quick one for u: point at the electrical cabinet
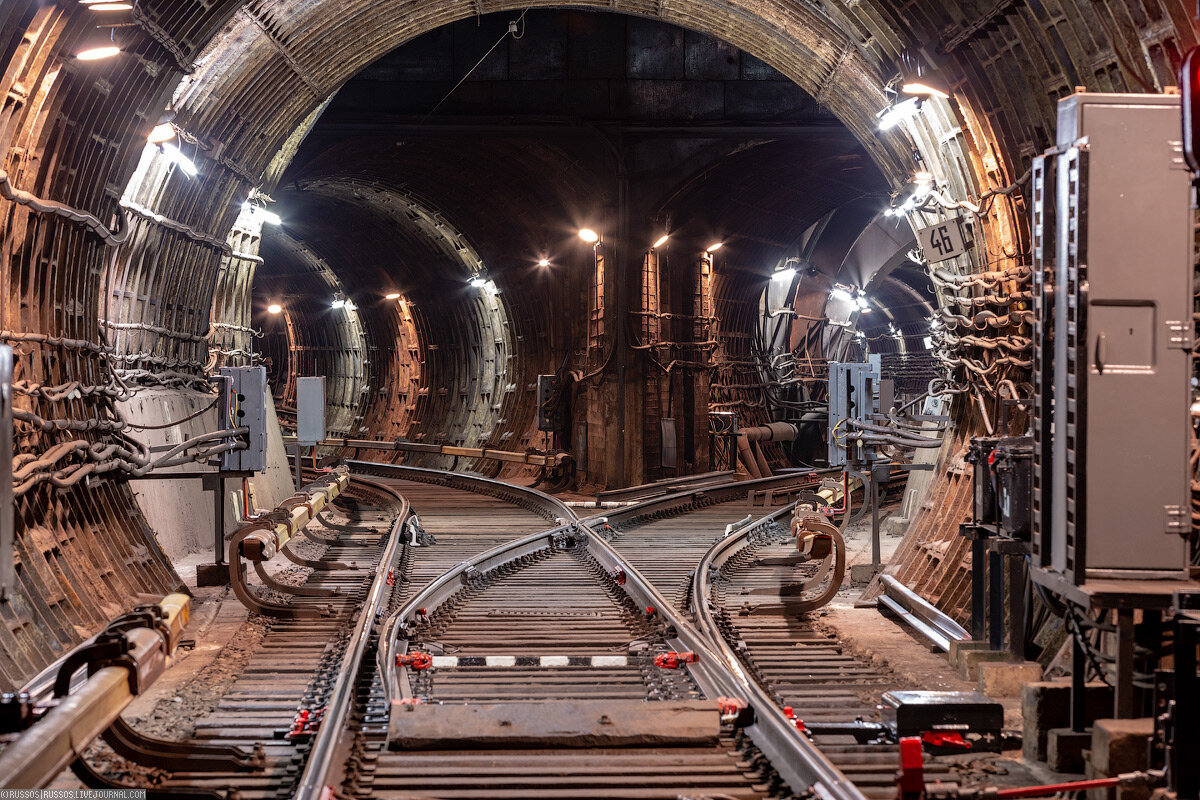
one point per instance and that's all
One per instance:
(244, 404)
(852, 396)
(310, 410)
(549, 414)
(1112, 270)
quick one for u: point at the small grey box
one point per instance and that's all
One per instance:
(310, 410)
(245, 405)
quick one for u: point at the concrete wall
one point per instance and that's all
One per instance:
(181, 510)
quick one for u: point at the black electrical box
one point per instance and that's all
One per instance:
(979, 456)
(917, 712)
(1012, 475)
(549, 403)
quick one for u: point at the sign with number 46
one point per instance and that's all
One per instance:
(942, 240)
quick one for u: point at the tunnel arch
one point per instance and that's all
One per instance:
(73, 134)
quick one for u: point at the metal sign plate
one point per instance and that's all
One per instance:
(942, 241)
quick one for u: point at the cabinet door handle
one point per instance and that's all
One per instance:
(1101, 351)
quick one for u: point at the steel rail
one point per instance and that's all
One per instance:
(717, 673)
(326, 745)
(544, 504)
(798, 760)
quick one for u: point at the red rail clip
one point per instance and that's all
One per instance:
(673, 660)
(619, 576)
(391, 578)
(651, 611)
(944, 739)
(731, 708)
(414, 661)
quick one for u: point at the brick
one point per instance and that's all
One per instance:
(1047, 704)
(1007, 679)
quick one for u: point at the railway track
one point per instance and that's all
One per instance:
(503, 614)
(799, 665)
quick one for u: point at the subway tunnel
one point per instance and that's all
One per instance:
(584, 248)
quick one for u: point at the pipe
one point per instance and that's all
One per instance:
(771, 432)
(763, 467)
(746, 457)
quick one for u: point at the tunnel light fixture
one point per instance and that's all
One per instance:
(176, 156)
(922, 178)
(338, 303)
(660, 241)
(163, 132)
(110, 7)
(842, 292)
(589, 235)
(784, 275)
(392, 296)
(98, 53)
(274, 308)
(893, 115)
(262, 214)
(925, 87)
(714, 247)
(543, 262)
(478, 282)
(861, 301)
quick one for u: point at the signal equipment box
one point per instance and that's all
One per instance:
(244, 404)
(1112, 272)
(852, 397)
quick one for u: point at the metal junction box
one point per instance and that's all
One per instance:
(245, 404)
(310, 410)
(852, 396)
(1112, 267)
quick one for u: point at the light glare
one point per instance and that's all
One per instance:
(177, 157)
(392, 296)
(784, 275)
(589, 235)
(924, 90)
(661, 241)
(97, 53)
(274, 308)
(714, 247)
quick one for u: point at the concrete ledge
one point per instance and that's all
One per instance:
(1066, 750)
(1047, 704)
(1006, 679)
(1119, 746)
(566, 723)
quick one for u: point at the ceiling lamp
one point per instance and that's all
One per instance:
(589, 235)
(274, 308)
(392, 296)
(660, 241)
(478, 282)
(893, 115)
(714, 247)
(543, 262)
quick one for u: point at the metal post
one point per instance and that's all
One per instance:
(1182, 764)
(876, 556)
(1124, 688)
(1016, 608)
(995, 601)
(1078, 686)
(218, 520)
(978, 555)
(299, 474)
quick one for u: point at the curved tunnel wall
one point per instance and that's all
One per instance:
(73, 133)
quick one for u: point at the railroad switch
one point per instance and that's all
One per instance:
(735, 711)
(414, 661)
(674, 660)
